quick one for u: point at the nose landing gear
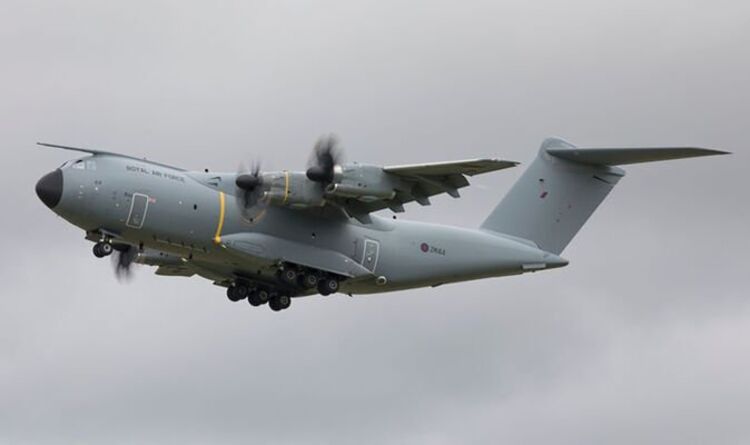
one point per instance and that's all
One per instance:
(102, 249)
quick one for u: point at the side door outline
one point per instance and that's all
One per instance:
(134, 222)
(370, 254)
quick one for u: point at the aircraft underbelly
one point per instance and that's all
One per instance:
(271, 248)
(416, 255)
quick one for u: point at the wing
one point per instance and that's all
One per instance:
(104, 153)
(468, 167)
(418, 182)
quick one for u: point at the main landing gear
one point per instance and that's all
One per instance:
(292, 281)
(328, 286)
(258, 296)
(279, 302)
(325, 284)
(305, 279)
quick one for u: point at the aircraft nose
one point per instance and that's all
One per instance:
(50, 188)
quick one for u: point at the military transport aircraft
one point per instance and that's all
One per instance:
(269, 236)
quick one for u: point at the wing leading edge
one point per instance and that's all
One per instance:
(94, 152)
(470, 167)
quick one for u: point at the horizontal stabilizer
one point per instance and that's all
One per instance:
(622, 156)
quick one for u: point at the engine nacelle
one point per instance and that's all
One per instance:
(366, 183)
(361, 193)
(292, 189)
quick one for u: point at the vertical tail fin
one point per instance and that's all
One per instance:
(560, 190)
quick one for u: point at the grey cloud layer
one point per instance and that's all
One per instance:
(644, 338)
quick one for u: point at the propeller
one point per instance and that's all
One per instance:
(122, 260)
(249, 188)
(326, 156)
(249, 181)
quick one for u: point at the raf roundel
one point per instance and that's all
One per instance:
(425, 247)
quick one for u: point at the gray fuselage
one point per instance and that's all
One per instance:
(194, 217)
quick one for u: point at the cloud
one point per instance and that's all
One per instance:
(640, 339)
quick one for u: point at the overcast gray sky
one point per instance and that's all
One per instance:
(644, 338)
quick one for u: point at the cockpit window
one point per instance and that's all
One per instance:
(79, 164)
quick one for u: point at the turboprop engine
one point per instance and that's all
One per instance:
(326, 180)
(365, 183)
(292, 189)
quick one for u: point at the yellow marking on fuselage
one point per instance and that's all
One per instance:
(222, 214)
(286, 187)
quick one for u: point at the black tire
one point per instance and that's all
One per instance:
(289, 276)
(328, 286)
(241, 291)
(254, 299)
(279, 302)
(106, 248)
(284, 301)
(263, 296)
(307, 280)
(102, 249)
(235, 293)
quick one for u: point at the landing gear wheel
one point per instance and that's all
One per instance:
(279, 302)
(240, 292)
(263, 296)
(289, 276)
(102, 249)
(254, 298)
(328, 286)
(232, 294)
(307, 280)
